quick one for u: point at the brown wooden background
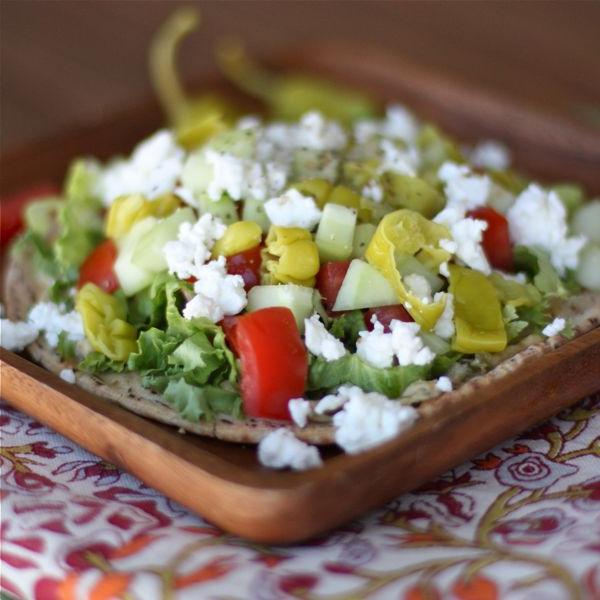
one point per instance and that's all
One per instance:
(68, 63)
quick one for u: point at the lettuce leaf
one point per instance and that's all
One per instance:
(537, 263)
(202, 403)
(347, 328)
(96, 362)
(351, 369)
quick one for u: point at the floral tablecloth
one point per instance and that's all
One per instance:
(521, 522)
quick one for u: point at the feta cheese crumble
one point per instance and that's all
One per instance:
(191, 249)
(320, 342)
(317, 133)
(396, 160)
(444, 384)
(444, 326)
(14, 336)
(373, 191)
(468, 235)
(68, 375)
(491, 154)
(419, 286)
(538, 218)
(217, 293)
(243, 178)
(152, 170)
(399, 124)
(555, 327)
(368, 419)
(51, 318)
(293, 209)
(330, 403)
(280, 449)
(299, 410)
(462, 187)
(379, 349)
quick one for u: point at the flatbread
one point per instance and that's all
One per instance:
(23, 289)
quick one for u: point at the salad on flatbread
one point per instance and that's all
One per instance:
(318, 272)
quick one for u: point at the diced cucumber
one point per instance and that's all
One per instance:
(225, 208)
(254, 210)
(40, 216)
(434, 342)
(588, 270)
(335, 234)
(408, 265)
(364, 287)
(197, 173)
(239, 142)
(133, 278)
(298, 298)
(586, 221)
(362, 236)
(148, 252)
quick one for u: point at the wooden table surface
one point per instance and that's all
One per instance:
(68, 63)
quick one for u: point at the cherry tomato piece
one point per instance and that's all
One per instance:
(11, 213)
(98, 267)
(329, 280)
(247, 264)
(496, 239)
(274, 361)
(386, 314)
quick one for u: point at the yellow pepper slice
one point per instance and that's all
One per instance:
(514, 293)
(405, 232)
(125, 211)
(104, 323)
(240, 236)
(477, 312)
(290, 256)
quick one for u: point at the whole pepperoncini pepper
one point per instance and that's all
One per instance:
(239, 236)
(407, 233)
(104, 323)
(290, 256)
(477, 312)
(125, 211)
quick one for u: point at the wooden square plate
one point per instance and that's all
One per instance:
(224, 482)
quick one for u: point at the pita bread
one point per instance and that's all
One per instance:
(23, 289)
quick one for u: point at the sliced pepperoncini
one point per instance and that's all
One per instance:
(513, 292)
(104, 323)
(407, 233)
(125, 211)
(477, 312)
(239, 236)
(290, 256)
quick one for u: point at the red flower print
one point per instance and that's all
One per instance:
(298, 583)
(421, 592)
(475, 588)
(100, 470)
(82, 558)
(534, 527)
(532, 471)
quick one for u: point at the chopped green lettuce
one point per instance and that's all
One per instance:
(96, 362)
(195, 403)
(350, 369)
(537, 263)
(347, 327)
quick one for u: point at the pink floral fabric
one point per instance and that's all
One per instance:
(520, 522)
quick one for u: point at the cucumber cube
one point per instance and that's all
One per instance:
(364, 287)
(335, 234)
(362, 236)
(254, 210)
(298, 298)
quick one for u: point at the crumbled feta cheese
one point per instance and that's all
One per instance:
(317, 133)
(444, 384)
(396, 160)
(14, 336)
(50, 318)
(448, 245)
(443, 269)
(68, 375)
(330, 403)
(538, 218)
(249, 122)
(444, 326)
(191, 249)
(152, 170)
(368, 419)
(280, 449)
(299, 410)
(555, 327)
(468, 235)
(462, 187)
(243, 178)
(373, 191)
(292, 209)
(518, 277)
(419, 286)
(217, 293)
(491, 154)
(378, 349)
(320, 342)
(399, 124)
